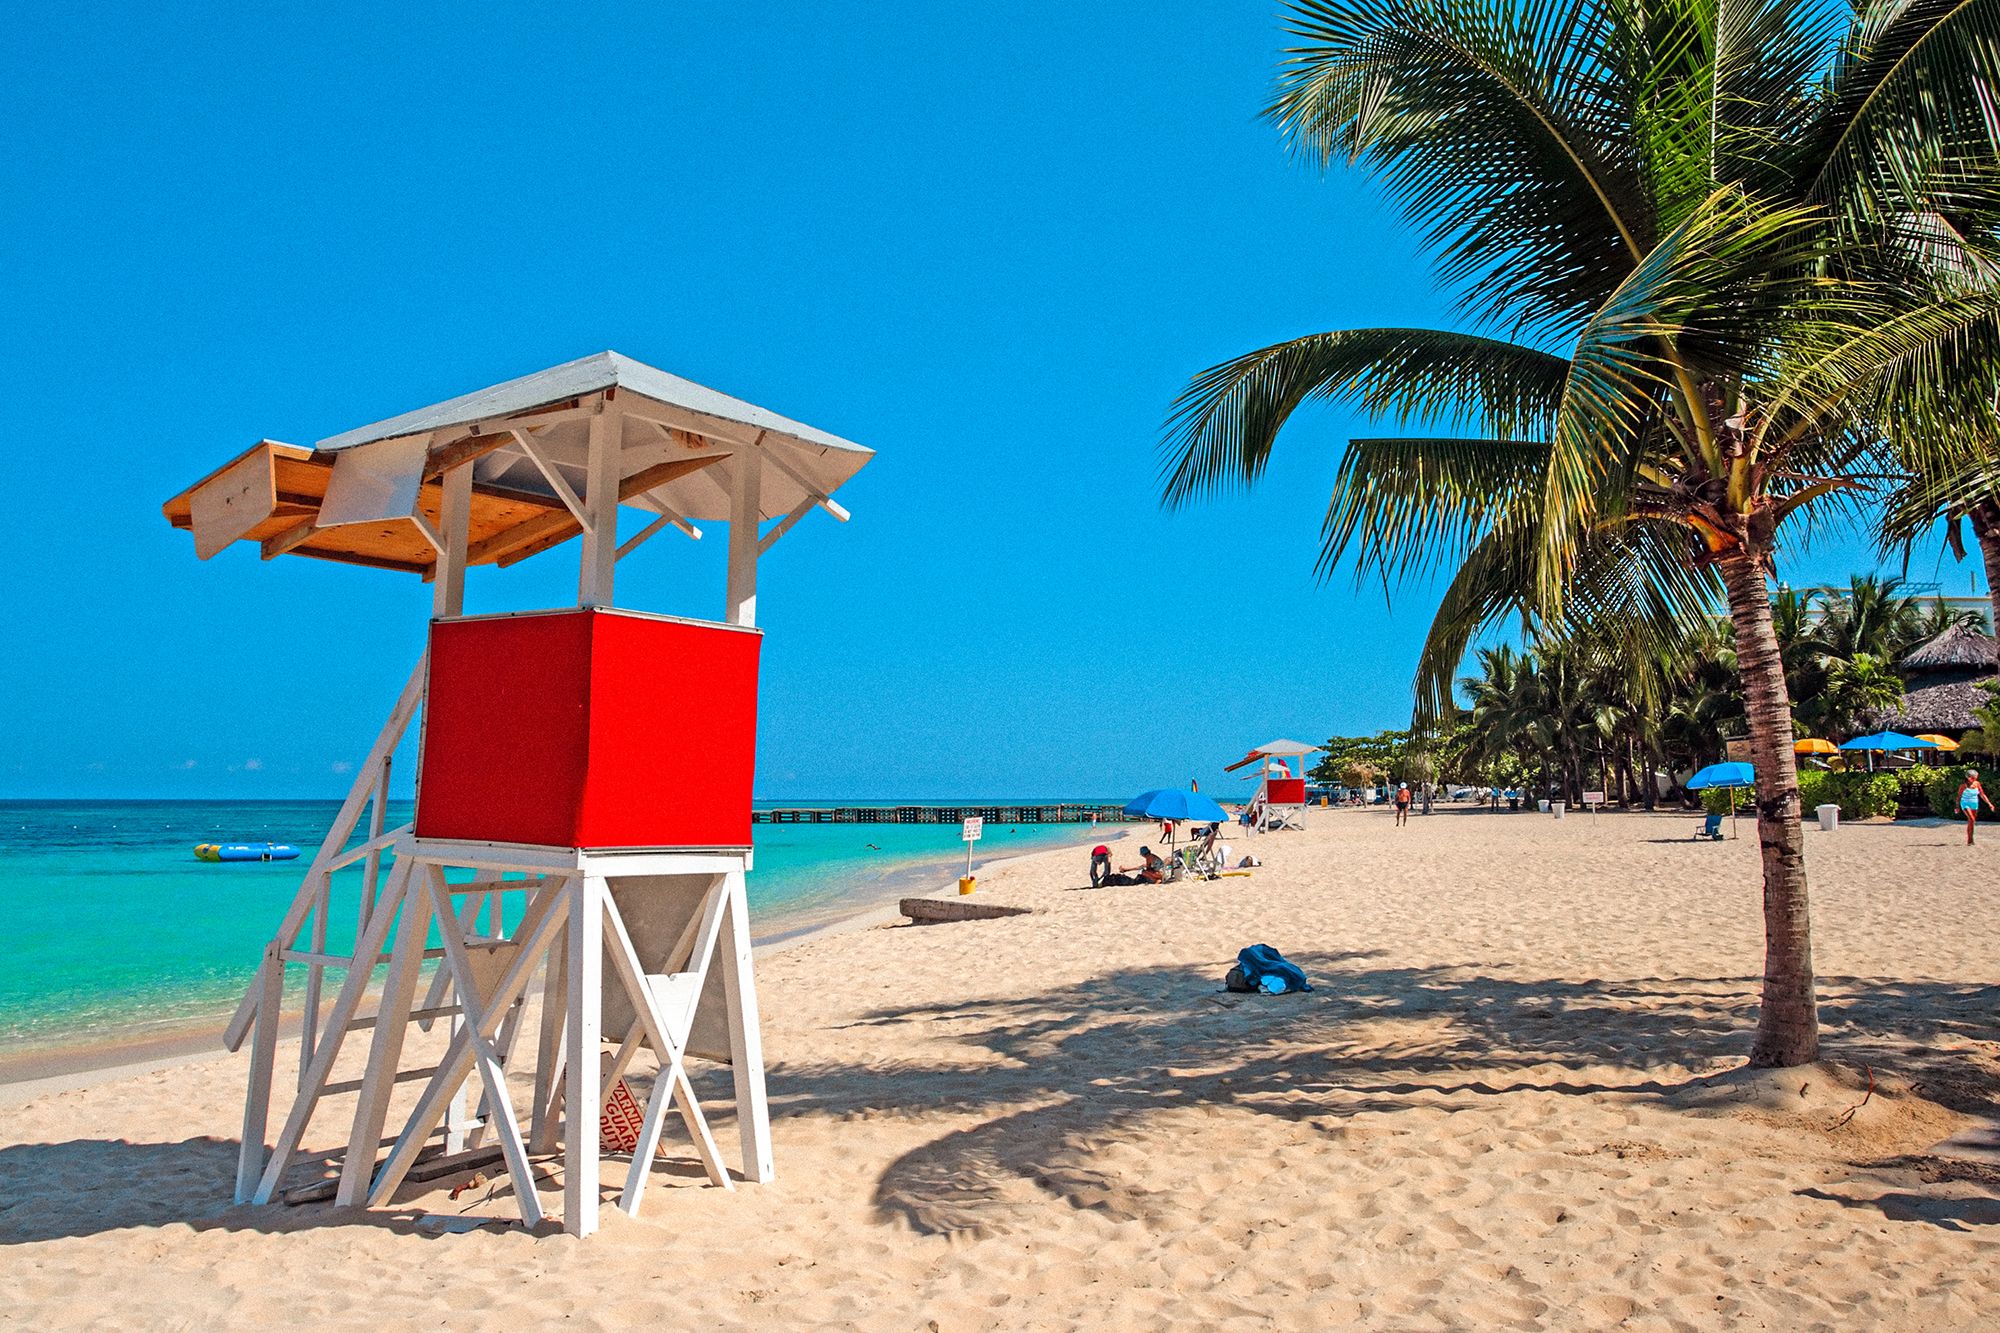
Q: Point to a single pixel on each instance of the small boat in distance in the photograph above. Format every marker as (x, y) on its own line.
(246, 851)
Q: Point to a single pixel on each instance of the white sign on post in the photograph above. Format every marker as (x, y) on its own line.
(1593, 799)
(973, 828)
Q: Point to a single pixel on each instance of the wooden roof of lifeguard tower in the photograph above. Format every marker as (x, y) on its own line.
(527, 441)
(1278, 749)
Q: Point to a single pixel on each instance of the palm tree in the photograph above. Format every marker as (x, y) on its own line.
(1503, 705)
(1858, 686)
(1705, 707)
(1874, 617)
(1795, 620)
(1717, 214)
(1939, 615)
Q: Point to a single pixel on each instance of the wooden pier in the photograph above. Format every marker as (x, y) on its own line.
(943, 814)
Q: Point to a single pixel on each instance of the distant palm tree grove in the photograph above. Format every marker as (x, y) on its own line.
(1559, 720)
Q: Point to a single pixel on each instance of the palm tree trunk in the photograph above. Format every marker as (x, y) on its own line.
(1788, 1020)
(1986, 527)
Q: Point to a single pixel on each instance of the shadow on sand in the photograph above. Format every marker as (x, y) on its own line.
(49, 1191)
(1078, 1065)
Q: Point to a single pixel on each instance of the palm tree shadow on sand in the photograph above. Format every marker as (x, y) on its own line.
(1073, 1070)
(1078, 1068)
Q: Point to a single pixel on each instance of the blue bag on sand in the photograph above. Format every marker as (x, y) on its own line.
(1268, 971)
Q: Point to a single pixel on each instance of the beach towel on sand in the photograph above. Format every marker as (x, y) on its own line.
(1263, 969)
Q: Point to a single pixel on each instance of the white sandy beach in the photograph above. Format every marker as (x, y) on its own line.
(1504, 1105)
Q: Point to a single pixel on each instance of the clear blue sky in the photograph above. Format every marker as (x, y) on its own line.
(992, 244)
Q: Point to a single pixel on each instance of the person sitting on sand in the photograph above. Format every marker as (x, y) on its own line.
(1152, 869)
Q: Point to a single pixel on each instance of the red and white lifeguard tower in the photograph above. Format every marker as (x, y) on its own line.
(591, 763)
(1280, 799)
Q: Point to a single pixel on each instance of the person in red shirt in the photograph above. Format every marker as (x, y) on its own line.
(1402, 803)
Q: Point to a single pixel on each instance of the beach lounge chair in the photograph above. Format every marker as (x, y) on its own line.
(1711, 828)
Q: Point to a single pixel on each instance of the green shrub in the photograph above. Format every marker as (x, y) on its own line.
(1940, 787)
(1717, 800)
(1867, 795)
(1859, 795)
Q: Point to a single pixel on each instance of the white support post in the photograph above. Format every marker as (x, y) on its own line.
(454, 522)
(385, 1055)
(459, 1121)
(269, 991)
(746, 497)
(585, 1021)
(371, 874)
(600, 535)
(584, 1038)
(315, 974)
(746, 1042)
(549, 1050)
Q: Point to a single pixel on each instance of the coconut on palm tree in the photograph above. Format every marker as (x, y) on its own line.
(1692, 242)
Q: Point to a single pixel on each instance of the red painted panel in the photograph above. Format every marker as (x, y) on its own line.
(1285, 791)
(589, 729)
(505, 736)
(673, 735)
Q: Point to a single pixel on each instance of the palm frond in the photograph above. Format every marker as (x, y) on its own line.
(1909, 362)
(1225, 423)
(1499, 128)
(1713, 291)
(1910, 113)
(1404, 507)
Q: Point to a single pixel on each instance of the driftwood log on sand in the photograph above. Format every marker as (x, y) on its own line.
(929, 911)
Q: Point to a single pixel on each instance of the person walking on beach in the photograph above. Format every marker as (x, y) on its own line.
(1402, 803)
(1970, 794)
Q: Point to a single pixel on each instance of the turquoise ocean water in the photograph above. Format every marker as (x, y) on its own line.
(114, 930)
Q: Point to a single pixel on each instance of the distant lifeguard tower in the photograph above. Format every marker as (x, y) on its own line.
(1280, 799)
(590, 762)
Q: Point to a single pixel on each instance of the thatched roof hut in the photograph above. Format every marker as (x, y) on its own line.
(1958, 649)
(1944, 678)
(1936, 709)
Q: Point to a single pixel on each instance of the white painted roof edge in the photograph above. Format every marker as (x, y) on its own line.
(575, 378)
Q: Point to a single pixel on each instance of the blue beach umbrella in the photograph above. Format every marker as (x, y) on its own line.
(1730, 775)
(1173, 803)
(1886, 740)
(1723, 775)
